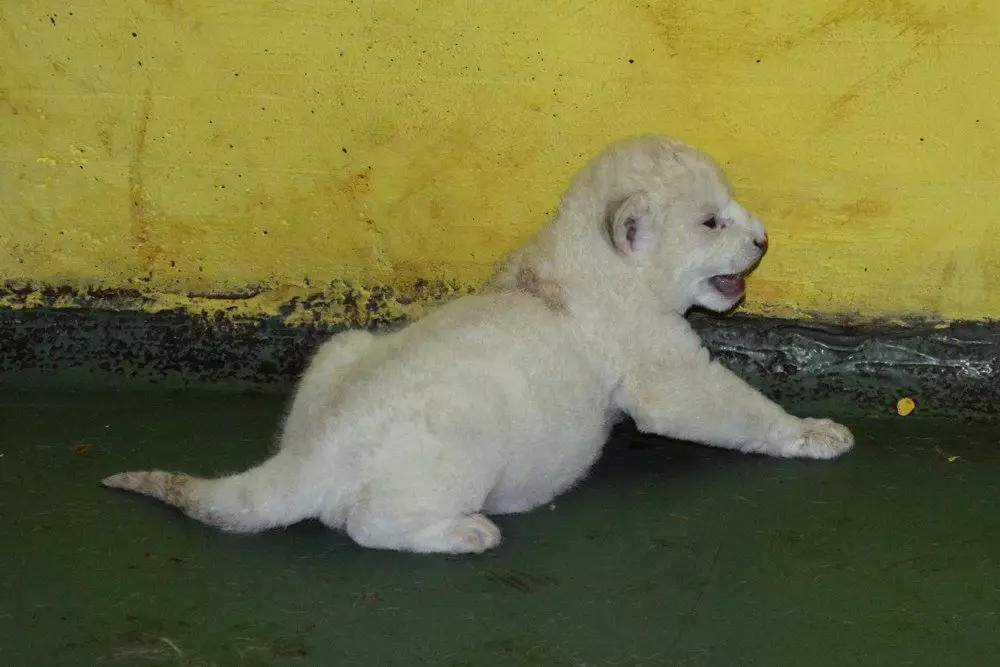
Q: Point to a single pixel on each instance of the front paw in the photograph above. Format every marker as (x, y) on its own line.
(820, 439)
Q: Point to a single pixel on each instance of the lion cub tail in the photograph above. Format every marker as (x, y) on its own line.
(264, 497)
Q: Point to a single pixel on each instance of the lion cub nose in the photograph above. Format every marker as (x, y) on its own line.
(761, 243)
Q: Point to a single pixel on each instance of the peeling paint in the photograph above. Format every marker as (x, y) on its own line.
(337, 304)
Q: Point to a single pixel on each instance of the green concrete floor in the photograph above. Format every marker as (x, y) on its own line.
(667, 555)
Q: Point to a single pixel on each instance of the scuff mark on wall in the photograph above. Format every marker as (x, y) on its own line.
(141, 215)
(910, 21)
(864, 210)
(879, 82)
(902, 21)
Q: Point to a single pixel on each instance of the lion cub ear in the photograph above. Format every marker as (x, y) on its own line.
(631, 228)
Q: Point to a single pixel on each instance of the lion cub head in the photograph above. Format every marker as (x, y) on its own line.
(666, 211)
(651, 218)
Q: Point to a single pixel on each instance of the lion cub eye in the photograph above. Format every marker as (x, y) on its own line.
(712, 223)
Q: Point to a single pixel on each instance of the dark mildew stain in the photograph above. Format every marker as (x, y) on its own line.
(51, 335)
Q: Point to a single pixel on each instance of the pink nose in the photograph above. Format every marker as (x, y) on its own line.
(761, 243)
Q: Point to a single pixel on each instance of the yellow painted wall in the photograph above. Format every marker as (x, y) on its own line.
(191, 149)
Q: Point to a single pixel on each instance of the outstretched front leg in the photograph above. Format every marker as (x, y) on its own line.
(697, 399)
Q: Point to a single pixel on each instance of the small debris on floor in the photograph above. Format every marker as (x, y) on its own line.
(905, 406)
(950, 458)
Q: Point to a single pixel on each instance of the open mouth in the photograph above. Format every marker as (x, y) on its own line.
(731, 285)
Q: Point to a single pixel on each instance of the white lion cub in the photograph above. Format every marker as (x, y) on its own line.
(498, 402)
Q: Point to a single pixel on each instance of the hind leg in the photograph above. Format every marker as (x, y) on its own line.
(462, 534)
(432, 525)
(468, 533)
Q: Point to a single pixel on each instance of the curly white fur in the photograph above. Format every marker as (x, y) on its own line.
(496, 403)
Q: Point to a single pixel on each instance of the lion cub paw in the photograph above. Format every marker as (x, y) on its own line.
(821, 439)
(469, 534)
